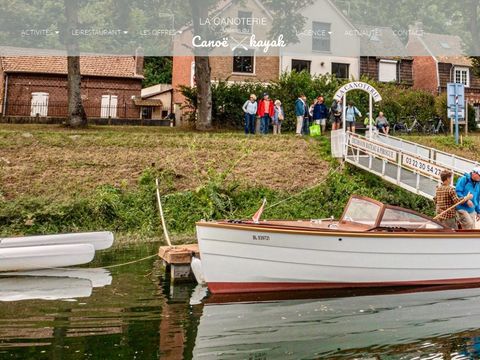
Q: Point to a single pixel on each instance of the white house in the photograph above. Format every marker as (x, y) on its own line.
(328, 44)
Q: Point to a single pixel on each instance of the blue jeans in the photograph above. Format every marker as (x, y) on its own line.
(249, 123)
(306, 126)
(264, 124)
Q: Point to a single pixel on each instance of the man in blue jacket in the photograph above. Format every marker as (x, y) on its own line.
(320, 113)
(300, 110)
(469, 212)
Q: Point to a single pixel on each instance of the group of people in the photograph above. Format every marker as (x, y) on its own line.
(465, 194)
(268, 112)
(272, 112)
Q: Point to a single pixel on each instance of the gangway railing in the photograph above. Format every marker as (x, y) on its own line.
(456, 164)
(412, 166)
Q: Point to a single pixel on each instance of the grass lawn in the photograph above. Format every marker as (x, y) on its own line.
(57, 180)
(56, 163)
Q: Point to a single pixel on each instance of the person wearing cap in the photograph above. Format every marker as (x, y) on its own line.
(250, 110)
(468, 212)
(278, 117)
(445, 198)
(265, 113)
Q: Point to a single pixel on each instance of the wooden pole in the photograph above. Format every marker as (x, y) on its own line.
(164, 226)
(451, 208)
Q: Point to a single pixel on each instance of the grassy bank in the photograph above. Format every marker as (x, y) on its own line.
(103, 178)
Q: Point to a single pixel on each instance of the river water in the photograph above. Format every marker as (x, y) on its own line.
(132, 312)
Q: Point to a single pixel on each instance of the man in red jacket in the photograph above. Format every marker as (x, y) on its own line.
(265, 113)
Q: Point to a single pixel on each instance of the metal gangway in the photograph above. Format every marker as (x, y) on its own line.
(412, 166)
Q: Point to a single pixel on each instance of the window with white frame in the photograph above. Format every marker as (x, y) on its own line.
(462, 75)
(387, 71)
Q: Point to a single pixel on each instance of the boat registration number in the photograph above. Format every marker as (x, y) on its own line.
(261, 237)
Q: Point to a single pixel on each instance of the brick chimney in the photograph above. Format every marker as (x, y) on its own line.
(139, 61)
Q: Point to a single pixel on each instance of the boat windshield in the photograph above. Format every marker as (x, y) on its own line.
(362, 211)
(393, 217)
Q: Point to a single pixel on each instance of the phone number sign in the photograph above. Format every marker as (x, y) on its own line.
(421, 165)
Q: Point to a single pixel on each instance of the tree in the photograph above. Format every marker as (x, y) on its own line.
(157, 70)
(202, 69)
(76, 112)
(476, 64)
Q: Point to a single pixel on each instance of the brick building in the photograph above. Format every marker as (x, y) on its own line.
(243, 64)
(37, 85)
(384, 57)
(439, 61)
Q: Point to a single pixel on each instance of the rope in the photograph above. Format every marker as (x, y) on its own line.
(305, 190)
(130, 262)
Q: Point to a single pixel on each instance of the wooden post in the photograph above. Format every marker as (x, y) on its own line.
(177, 260)
(466, 118)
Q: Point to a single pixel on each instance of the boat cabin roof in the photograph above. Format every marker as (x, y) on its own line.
(369, 213)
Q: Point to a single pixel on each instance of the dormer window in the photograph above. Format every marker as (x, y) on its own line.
(462, 75)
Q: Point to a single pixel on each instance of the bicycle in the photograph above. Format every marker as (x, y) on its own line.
(435, 129)
(402, 127)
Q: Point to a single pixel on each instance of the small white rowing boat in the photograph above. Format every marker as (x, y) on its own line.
(42, 257)
(100, 240)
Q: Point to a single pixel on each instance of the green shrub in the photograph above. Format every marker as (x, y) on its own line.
(399, 102)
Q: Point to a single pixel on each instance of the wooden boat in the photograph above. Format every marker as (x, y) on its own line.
(372, 245)
(42, 257)
(100, 240)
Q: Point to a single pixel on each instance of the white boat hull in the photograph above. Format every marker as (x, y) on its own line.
(249, 259)
(100, 240)
(42, 257)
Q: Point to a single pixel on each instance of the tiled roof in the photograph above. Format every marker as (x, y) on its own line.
(443, 44)
(109, 66)
(380, 41)
(446, 48)
(455, 60)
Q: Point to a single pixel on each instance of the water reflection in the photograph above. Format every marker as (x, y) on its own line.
(133, 312)
(89, 314)
(407, 324)
(52, 284)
